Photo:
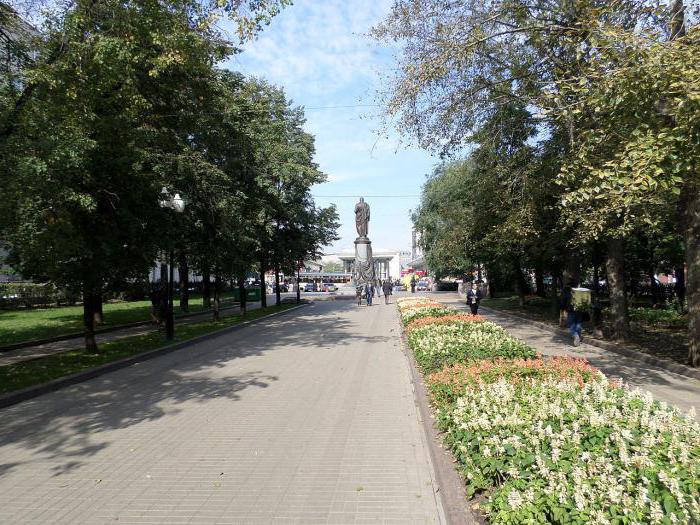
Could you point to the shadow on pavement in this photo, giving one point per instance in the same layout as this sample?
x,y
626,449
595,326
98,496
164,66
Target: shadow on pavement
x,y
65,426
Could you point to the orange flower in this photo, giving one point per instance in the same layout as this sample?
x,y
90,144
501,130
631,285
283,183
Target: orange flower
x,y
445,319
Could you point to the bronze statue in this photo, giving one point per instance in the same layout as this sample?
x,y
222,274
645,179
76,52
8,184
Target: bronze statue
x,y
362,217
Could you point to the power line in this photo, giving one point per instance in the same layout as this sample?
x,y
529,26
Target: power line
x,y
366,196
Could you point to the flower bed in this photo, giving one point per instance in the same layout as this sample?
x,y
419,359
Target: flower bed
x,y
551,440
436,345
449,383
445,319
553,451
425,311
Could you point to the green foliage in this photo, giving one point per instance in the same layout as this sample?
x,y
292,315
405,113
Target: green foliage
x,y
123,100
32,294
662,317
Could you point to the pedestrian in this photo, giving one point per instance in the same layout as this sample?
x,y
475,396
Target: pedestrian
x,y
386,287
379,287
155,296
369,292
413,284
574,318
474,298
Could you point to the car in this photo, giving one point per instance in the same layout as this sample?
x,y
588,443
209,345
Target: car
x,y
422,286
283,288
329,287
309,287
399,288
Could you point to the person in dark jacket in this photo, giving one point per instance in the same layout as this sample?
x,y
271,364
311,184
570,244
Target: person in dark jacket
x,y
474,298
369,293
574,319
386,288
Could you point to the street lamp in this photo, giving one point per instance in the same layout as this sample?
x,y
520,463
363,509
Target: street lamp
x,y
177,204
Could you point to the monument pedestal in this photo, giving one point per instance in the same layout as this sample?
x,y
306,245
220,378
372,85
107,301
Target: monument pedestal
x,y
363,270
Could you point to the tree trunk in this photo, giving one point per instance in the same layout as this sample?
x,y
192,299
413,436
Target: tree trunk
x,y
278,298
679,286
615,265
298,288
89,312
217,297
263,285
654,286
692,260
520,285
99,314
241,292
206,288
539,281
597,314
184,274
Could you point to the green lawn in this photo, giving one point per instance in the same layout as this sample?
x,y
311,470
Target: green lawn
x,y
28,373
17,326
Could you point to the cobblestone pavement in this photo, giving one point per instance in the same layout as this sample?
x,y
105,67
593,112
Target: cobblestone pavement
x,y
308,418
678,390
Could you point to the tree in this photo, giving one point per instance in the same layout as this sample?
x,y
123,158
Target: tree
x,y
105,109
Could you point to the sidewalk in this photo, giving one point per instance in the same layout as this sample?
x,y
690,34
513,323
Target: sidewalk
x,y
309,419
675,389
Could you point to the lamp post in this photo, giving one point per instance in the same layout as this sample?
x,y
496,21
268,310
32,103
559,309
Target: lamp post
x,y
177,204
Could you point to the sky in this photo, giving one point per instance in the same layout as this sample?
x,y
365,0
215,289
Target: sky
x,y
318,51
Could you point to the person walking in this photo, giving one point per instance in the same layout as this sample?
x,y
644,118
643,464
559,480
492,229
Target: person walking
x,y
574,319
379,287
413,284
369,292
474,298
386,287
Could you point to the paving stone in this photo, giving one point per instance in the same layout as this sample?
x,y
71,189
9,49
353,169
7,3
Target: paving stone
x,y
307,418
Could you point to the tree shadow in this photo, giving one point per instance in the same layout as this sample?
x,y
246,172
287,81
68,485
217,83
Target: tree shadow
x,y
68,427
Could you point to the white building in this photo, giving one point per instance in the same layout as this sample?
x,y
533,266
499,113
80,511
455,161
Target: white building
x,y
387,263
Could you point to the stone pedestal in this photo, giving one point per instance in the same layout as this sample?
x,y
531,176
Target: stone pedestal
x,y
363,269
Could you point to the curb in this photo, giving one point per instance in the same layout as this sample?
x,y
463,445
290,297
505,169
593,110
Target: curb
x,y
12,398
666,364
451,487
106,330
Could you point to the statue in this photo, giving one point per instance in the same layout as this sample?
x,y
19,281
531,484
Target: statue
x,y
363,268
362,217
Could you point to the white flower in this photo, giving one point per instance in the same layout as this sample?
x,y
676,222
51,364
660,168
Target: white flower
x,y
515,500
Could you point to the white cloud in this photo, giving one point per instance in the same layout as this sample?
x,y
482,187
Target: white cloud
x,y
320,48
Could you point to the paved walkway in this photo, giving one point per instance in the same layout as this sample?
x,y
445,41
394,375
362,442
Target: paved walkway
x,y
309,418
675,389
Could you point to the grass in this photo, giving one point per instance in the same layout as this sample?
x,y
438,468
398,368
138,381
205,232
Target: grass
x,y
17,326
662,333
37,371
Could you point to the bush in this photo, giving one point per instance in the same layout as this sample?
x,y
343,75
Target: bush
x,y
548,450
436,345
663,317
15,295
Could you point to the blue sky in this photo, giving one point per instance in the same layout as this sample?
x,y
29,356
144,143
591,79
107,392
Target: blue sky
x,y
316,50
